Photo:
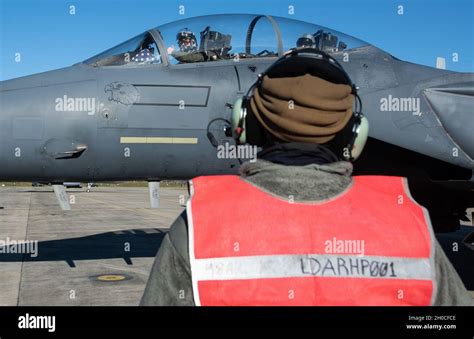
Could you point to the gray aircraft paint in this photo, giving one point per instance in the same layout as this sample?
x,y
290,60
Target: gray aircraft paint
x,y
139,129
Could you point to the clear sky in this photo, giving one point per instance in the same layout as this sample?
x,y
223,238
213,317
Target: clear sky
x,y
48,37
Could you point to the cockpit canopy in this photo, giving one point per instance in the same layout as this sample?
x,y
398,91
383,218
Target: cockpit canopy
x,y
141,49
222,37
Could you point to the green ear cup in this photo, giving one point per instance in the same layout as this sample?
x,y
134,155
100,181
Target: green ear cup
x,y
361,139
237,116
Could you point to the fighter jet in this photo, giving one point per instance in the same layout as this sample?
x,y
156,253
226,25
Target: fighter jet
x,y
155,106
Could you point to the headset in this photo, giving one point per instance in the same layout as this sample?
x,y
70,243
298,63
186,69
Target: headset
x,y
328,69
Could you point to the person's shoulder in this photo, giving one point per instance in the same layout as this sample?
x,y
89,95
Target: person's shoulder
x,y
178,235
449,288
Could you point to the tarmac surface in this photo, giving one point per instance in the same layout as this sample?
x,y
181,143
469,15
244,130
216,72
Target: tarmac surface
x,y
101,252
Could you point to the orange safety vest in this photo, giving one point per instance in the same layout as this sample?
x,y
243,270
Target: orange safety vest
x,y
370,245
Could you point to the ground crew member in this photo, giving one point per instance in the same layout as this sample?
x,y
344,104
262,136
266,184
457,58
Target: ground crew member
x,y
295,228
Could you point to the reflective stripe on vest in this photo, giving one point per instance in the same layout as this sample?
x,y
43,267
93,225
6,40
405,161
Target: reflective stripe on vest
x,y
371,245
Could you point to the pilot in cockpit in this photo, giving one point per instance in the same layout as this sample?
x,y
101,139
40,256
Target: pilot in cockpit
x,y
306,41
214,46
188,49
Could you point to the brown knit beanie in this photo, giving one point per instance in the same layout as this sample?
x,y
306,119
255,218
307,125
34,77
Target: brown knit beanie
x,y
302,108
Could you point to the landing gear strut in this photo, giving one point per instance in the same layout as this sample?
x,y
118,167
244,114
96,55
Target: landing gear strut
x,y
61,196
154,189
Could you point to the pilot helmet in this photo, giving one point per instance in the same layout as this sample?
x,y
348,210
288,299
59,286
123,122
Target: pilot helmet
x,y
306,40
186,40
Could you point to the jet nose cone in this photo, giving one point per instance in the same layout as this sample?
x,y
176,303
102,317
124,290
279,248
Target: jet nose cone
x,y
454,106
